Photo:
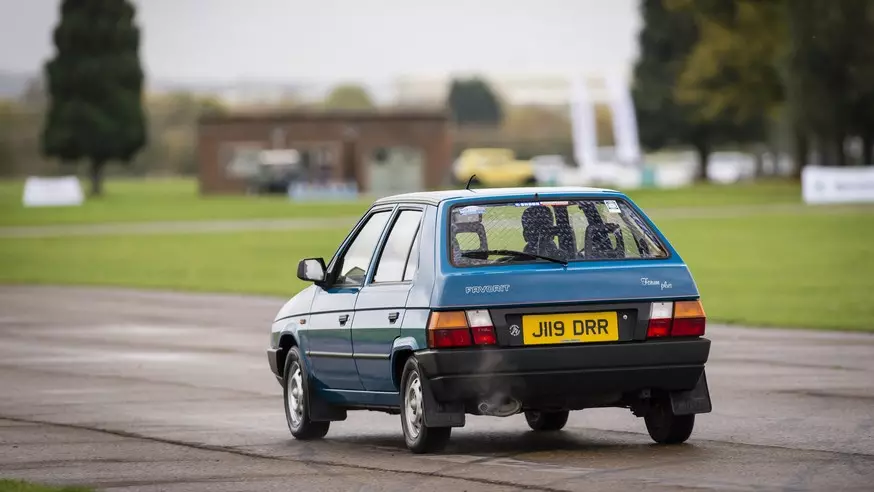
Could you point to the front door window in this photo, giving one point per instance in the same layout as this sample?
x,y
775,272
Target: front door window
x,y
353,265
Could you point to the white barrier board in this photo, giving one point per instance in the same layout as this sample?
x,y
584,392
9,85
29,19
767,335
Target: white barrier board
x,y
837,184
62,191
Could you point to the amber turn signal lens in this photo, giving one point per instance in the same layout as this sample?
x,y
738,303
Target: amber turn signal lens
x,y
448,320
688,309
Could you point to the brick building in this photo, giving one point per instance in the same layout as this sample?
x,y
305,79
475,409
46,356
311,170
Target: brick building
x,y
379,152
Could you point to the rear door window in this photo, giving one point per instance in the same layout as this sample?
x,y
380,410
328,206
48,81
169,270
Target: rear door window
x,y
413,260
564,231
396,253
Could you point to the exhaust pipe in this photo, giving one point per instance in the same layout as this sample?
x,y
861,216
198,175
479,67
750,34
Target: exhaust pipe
x,y
500,407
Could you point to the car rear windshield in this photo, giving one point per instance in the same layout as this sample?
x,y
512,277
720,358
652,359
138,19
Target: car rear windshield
x,y
560,231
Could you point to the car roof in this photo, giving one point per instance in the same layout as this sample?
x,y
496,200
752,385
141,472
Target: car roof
x,y
435,197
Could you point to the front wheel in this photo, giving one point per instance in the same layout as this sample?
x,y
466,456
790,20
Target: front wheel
x,y
296,394
419,437
666,428
546,421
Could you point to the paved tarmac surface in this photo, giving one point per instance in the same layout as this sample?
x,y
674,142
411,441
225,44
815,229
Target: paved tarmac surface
x,y
132,390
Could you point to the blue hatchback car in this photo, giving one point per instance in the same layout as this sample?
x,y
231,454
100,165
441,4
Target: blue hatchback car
x,y
495,302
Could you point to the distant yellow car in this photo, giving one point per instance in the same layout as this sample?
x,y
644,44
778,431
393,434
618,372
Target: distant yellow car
x,y
493,168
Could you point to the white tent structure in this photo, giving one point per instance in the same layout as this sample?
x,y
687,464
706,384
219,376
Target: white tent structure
x,y
623,167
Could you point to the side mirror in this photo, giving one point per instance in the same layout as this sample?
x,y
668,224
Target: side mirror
x,y
312,270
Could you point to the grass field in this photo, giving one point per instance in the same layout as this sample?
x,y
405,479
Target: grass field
x,y
161,200
20,486
178,199
808,268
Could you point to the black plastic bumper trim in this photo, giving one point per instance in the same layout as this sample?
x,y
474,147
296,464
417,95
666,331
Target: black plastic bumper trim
x,y
532,372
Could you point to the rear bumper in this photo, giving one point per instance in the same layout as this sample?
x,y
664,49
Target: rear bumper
x,y
555,372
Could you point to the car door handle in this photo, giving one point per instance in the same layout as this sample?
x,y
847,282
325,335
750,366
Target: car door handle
x,y
392,317
343,319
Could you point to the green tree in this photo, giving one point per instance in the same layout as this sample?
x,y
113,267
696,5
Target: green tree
x,y
95,86
858,26
7,123
734,67
829,78
731,77
668,112
665,41
473,101
349,97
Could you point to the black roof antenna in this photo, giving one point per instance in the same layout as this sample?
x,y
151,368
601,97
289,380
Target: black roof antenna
x,y
469,181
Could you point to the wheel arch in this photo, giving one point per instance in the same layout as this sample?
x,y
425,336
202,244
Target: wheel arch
x,y
286,341
402,349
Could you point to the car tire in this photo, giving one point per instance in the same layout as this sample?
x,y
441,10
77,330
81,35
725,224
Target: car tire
x,y
419,437
546,421
296,396
666,428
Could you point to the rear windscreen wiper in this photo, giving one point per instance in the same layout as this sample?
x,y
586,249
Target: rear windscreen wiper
x,y
484,255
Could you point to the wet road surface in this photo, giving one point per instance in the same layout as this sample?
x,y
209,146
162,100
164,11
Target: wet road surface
x,y
133,390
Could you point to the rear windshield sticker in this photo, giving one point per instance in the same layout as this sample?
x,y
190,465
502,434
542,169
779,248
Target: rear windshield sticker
x,y
534,204
472,210
612,206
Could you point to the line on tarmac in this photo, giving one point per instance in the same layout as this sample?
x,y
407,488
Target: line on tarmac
x,y
251,454
113,377
262,395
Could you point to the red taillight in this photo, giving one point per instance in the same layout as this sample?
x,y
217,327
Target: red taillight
x,y
482,328
448,329
676,319
688,327
450,338
658,328
461,329
689,319
660,317
484,335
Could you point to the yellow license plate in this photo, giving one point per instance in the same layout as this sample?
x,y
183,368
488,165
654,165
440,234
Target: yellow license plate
x,y
539,329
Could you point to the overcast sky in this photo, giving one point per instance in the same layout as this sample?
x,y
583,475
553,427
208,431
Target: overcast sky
x,y
368,40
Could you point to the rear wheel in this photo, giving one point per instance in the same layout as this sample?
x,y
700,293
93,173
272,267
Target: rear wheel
x,y
666,428
546,421
296,394
419,437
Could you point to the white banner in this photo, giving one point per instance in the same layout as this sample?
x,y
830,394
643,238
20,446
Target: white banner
x,y
837,184
583,126
624,122
52,192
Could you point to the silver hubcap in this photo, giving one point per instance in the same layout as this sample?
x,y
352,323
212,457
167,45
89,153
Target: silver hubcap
x,y
295,395
413,404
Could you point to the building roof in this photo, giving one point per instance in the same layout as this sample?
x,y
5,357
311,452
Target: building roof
x,y
435,197
315,115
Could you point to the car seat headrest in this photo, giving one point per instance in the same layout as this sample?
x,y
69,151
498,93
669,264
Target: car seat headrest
x,y
536,221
